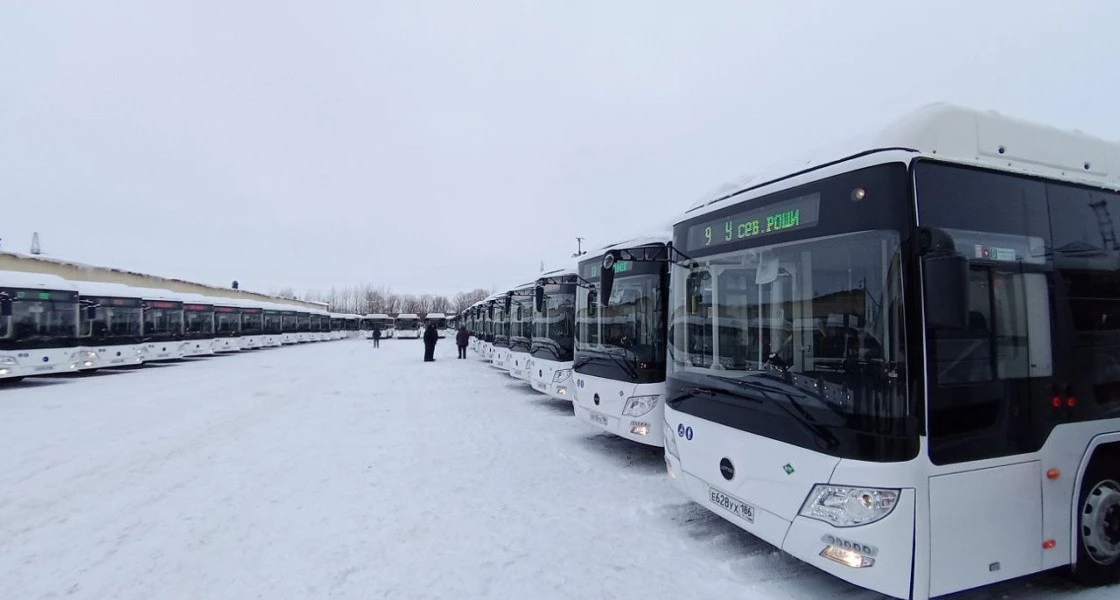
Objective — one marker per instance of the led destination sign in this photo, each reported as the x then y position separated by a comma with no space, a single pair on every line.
790,215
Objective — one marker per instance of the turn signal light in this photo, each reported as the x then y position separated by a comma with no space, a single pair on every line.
1053,474
1049,544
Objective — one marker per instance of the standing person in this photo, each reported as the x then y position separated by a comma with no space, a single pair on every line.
430,337
376,337
462,339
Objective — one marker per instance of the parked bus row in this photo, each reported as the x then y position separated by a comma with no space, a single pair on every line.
405,325
51,325
899,363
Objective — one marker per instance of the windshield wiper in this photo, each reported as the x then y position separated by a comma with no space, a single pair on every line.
802,416
630,370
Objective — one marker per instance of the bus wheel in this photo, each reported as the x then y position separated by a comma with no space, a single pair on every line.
1098,558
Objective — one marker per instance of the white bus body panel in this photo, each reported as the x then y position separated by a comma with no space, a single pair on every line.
519,364
501,358
203,347
761,479
409,334
606,414
44,361
163,351
251,342
543,378
121,355
227,344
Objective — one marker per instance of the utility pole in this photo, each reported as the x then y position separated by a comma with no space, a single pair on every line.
579,248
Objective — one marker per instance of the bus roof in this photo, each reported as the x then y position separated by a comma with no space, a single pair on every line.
107,289
36,281
958,134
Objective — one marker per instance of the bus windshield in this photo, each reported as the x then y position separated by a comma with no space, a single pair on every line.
624,340
198,321
554,327
521,324
114,322
40,321
788,322
228,322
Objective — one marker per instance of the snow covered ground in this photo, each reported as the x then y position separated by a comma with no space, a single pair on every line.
337,470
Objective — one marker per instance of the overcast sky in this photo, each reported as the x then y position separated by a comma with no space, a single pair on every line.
441,146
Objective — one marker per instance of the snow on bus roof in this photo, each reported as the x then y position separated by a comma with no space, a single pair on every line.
108,289
659,237
952,133
41,281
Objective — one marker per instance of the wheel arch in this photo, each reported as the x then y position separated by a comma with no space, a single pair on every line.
1105,443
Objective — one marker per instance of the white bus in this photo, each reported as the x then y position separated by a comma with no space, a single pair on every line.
162,338
621,330
408,326
554,328
198,325
227,324
380,321
498,316
439,320
39,326
273,332
519,307
919,389
252,324
111,324
289,324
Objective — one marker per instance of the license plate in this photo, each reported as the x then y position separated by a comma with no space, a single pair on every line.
732,505
598,418
116,361
41,369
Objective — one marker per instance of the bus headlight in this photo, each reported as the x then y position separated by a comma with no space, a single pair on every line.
561,375
844,506
637,406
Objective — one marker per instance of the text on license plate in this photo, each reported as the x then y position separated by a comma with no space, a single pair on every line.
734,506
598,418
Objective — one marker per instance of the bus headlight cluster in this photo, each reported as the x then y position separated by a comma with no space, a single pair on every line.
561,375
637,406
844,506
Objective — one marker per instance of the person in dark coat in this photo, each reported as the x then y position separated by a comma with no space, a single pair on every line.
430,337
376,337
462,339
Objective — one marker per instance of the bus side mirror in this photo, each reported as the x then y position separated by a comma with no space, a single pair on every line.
538,298
945,281
606,277
5,307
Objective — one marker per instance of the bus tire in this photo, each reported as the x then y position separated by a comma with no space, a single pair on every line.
1098,514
